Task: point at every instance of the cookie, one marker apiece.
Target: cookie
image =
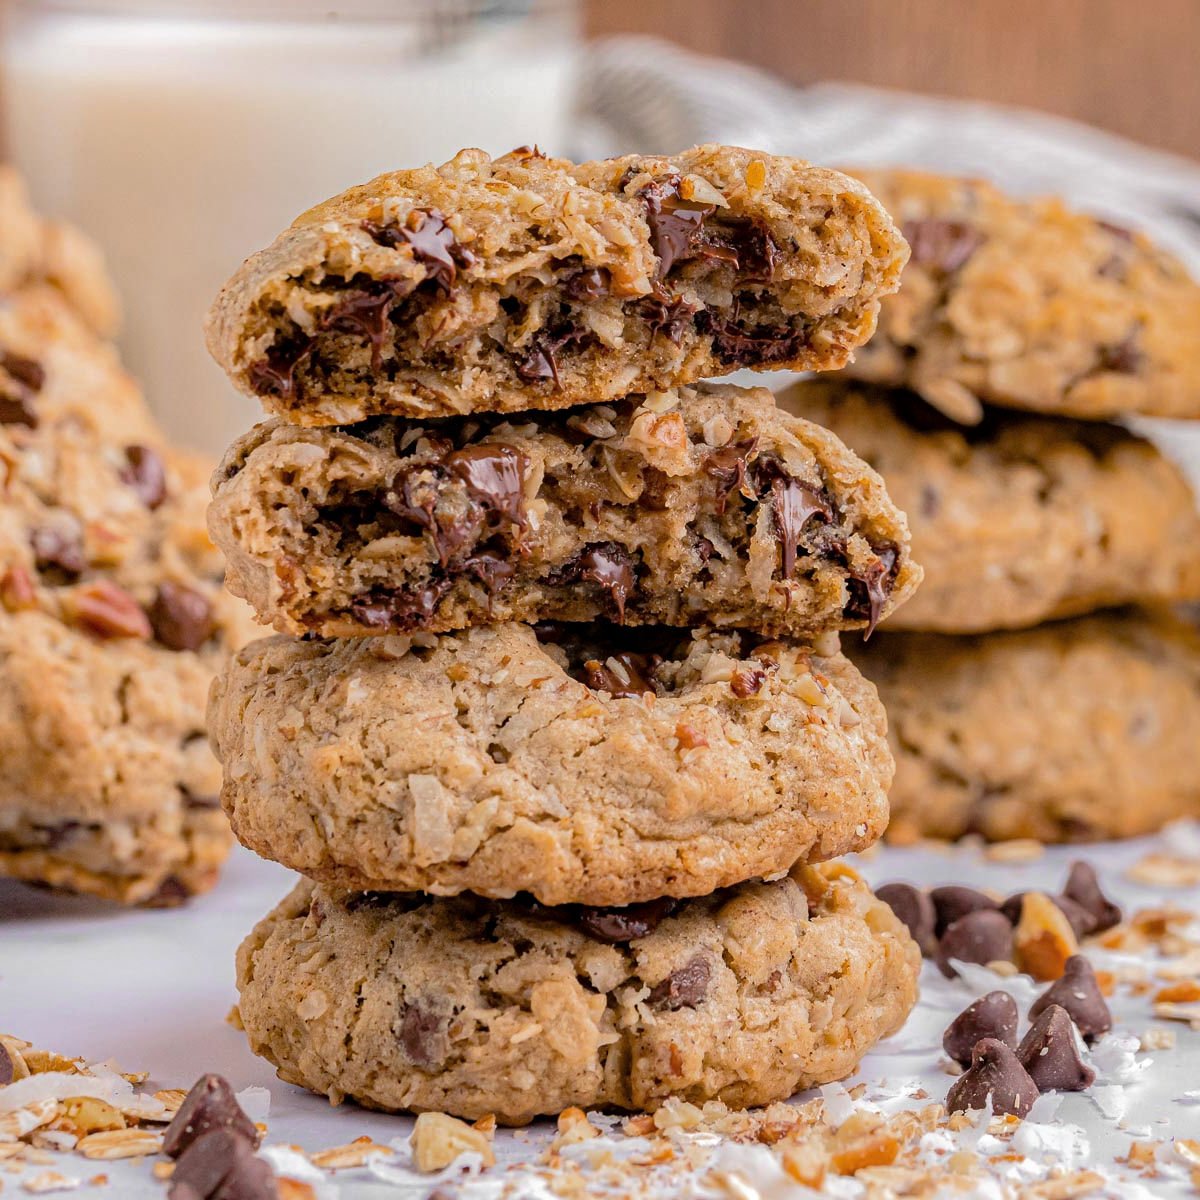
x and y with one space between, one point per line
1020 518
1029 305
596 765
113 621
698 505
475 1007
1080 730
531 282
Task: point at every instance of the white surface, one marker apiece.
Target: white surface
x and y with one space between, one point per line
152 989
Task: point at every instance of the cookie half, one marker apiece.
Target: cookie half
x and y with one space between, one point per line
696 506
531 282
477 1007
113 621
1080 730
581 764
1019 519
1030 305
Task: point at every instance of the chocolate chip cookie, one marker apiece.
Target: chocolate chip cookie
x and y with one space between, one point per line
112 622
1079 730
697 505
475 1007
592 764
1020 518
531 282
1027 304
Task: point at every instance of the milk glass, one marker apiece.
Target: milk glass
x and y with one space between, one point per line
184 135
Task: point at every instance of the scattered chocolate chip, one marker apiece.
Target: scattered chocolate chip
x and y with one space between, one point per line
1083 887
1079 993
941 244
995 1071
145 474
592 284
432 242
870 589
1050 1053
991 1016
181 617
221 1165
684 988
953 900
402 609
422 1035
108 611
607 564
915 909
17 394
747 681
624 924
637 669
210 1105
58 549
982 937
1081 921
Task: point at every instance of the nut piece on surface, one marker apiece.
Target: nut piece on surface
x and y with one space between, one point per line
1043 940
437 1140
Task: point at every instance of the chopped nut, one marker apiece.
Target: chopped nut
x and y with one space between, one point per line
1166 870
756 174
353 1154
1016 850
1043 939
107 611
89 1115
438 1139
1184 990
49 1181
806 1162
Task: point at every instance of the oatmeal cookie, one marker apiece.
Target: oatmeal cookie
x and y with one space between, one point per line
590 764
696 506
113 621
531 282
1080 730
473 1007
1029 305
1020 518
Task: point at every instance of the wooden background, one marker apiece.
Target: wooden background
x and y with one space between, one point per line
1132 66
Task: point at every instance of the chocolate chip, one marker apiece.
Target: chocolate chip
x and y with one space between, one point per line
492 570
364 311
1079 993
952 900
171 893
991 1016
760 346
915 909
684 988
108 611
494 474
201 802
181 617
995 1072
982 936
1081 921
607 564
941 244
431 240
795 503
60 549
870 588
210 1105
403 609
1083 887
275 373
1050 1053
422 1035
633 676
145 474
539 359
728 466
624 924
1123 358
17 394
670 316
675 224
591 284
221 1165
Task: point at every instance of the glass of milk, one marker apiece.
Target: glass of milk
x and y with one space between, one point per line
184 134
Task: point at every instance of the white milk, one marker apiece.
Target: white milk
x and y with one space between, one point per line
184 142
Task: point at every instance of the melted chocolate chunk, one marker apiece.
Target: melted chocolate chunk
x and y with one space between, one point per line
669 316
617 925
685 987
870 590
17 394
405 610
638 670
539 360
675 224
607 564
492 570
275 373
210 1105
181 617
422 1035
755 249
145 474
761 345
941 244
364 312
592 284
432 242
58 550
495 475
728 467
795 504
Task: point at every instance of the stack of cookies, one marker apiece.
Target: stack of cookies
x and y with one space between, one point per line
559 722
113 619
1022 332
